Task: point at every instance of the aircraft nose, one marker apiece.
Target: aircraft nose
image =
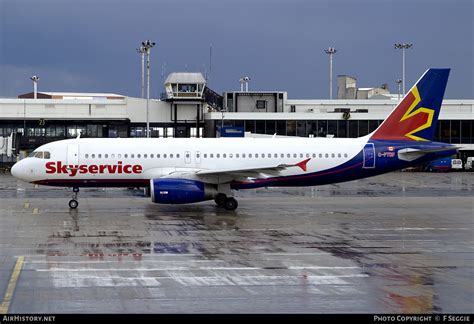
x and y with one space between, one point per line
15 170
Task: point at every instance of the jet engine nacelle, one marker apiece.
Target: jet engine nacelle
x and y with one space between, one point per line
180 191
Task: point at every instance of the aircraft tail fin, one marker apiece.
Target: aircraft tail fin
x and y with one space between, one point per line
416 116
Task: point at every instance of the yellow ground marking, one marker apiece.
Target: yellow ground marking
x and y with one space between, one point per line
11 285
26 206
35 210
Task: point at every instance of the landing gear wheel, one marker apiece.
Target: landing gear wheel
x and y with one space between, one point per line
231 204
73 204
220 200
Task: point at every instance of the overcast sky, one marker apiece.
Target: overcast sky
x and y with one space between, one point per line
89 46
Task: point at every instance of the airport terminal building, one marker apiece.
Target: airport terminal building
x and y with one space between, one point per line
188 108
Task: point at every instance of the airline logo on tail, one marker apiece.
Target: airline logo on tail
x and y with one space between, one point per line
423 116
416 116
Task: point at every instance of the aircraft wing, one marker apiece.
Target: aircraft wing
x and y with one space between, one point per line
228 175
271 169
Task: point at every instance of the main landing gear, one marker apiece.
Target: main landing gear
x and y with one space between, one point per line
229 203
73 203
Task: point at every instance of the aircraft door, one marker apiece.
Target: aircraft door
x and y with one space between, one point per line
187 157
369 156
73 154
198 157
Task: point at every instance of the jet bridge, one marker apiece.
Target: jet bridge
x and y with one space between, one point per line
9 148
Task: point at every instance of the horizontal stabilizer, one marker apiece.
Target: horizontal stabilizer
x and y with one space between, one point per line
426 151
410 154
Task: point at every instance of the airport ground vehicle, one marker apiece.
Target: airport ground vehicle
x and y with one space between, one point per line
469 165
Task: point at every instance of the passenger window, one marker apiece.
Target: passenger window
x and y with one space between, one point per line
333 155
205 155
87 156
164 156
177 156
119 156
99 156
320 155
339 155
243 155
112 156
275 155
314 155
295 155
125 155
301 155
256 155
269 155
171 156
282 155
93 156
157 156
307 155
145 156
250 155
218 155
138 155
106 156
326 155
132 156
211 155
288 155
237 155
345 155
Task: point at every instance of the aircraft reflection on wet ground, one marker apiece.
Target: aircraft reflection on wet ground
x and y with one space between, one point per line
398 243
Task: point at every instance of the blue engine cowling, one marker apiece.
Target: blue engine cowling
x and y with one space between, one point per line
180 191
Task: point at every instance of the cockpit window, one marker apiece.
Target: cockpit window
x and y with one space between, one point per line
40 155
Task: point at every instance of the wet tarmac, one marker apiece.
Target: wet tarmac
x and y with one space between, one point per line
397 243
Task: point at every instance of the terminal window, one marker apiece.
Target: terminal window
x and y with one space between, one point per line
261 104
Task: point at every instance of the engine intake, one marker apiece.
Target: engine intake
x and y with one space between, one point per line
180 191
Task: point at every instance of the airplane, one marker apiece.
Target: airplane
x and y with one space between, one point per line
191 170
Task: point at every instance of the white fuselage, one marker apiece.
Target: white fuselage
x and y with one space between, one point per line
149 158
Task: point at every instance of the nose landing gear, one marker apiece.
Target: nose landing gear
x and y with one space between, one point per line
73 203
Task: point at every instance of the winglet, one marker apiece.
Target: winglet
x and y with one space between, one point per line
302 164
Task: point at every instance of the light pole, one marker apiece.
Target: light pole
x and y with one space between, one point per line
35 86
399 83
141 50
330 51
244 80
247 80
403 47
147 45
